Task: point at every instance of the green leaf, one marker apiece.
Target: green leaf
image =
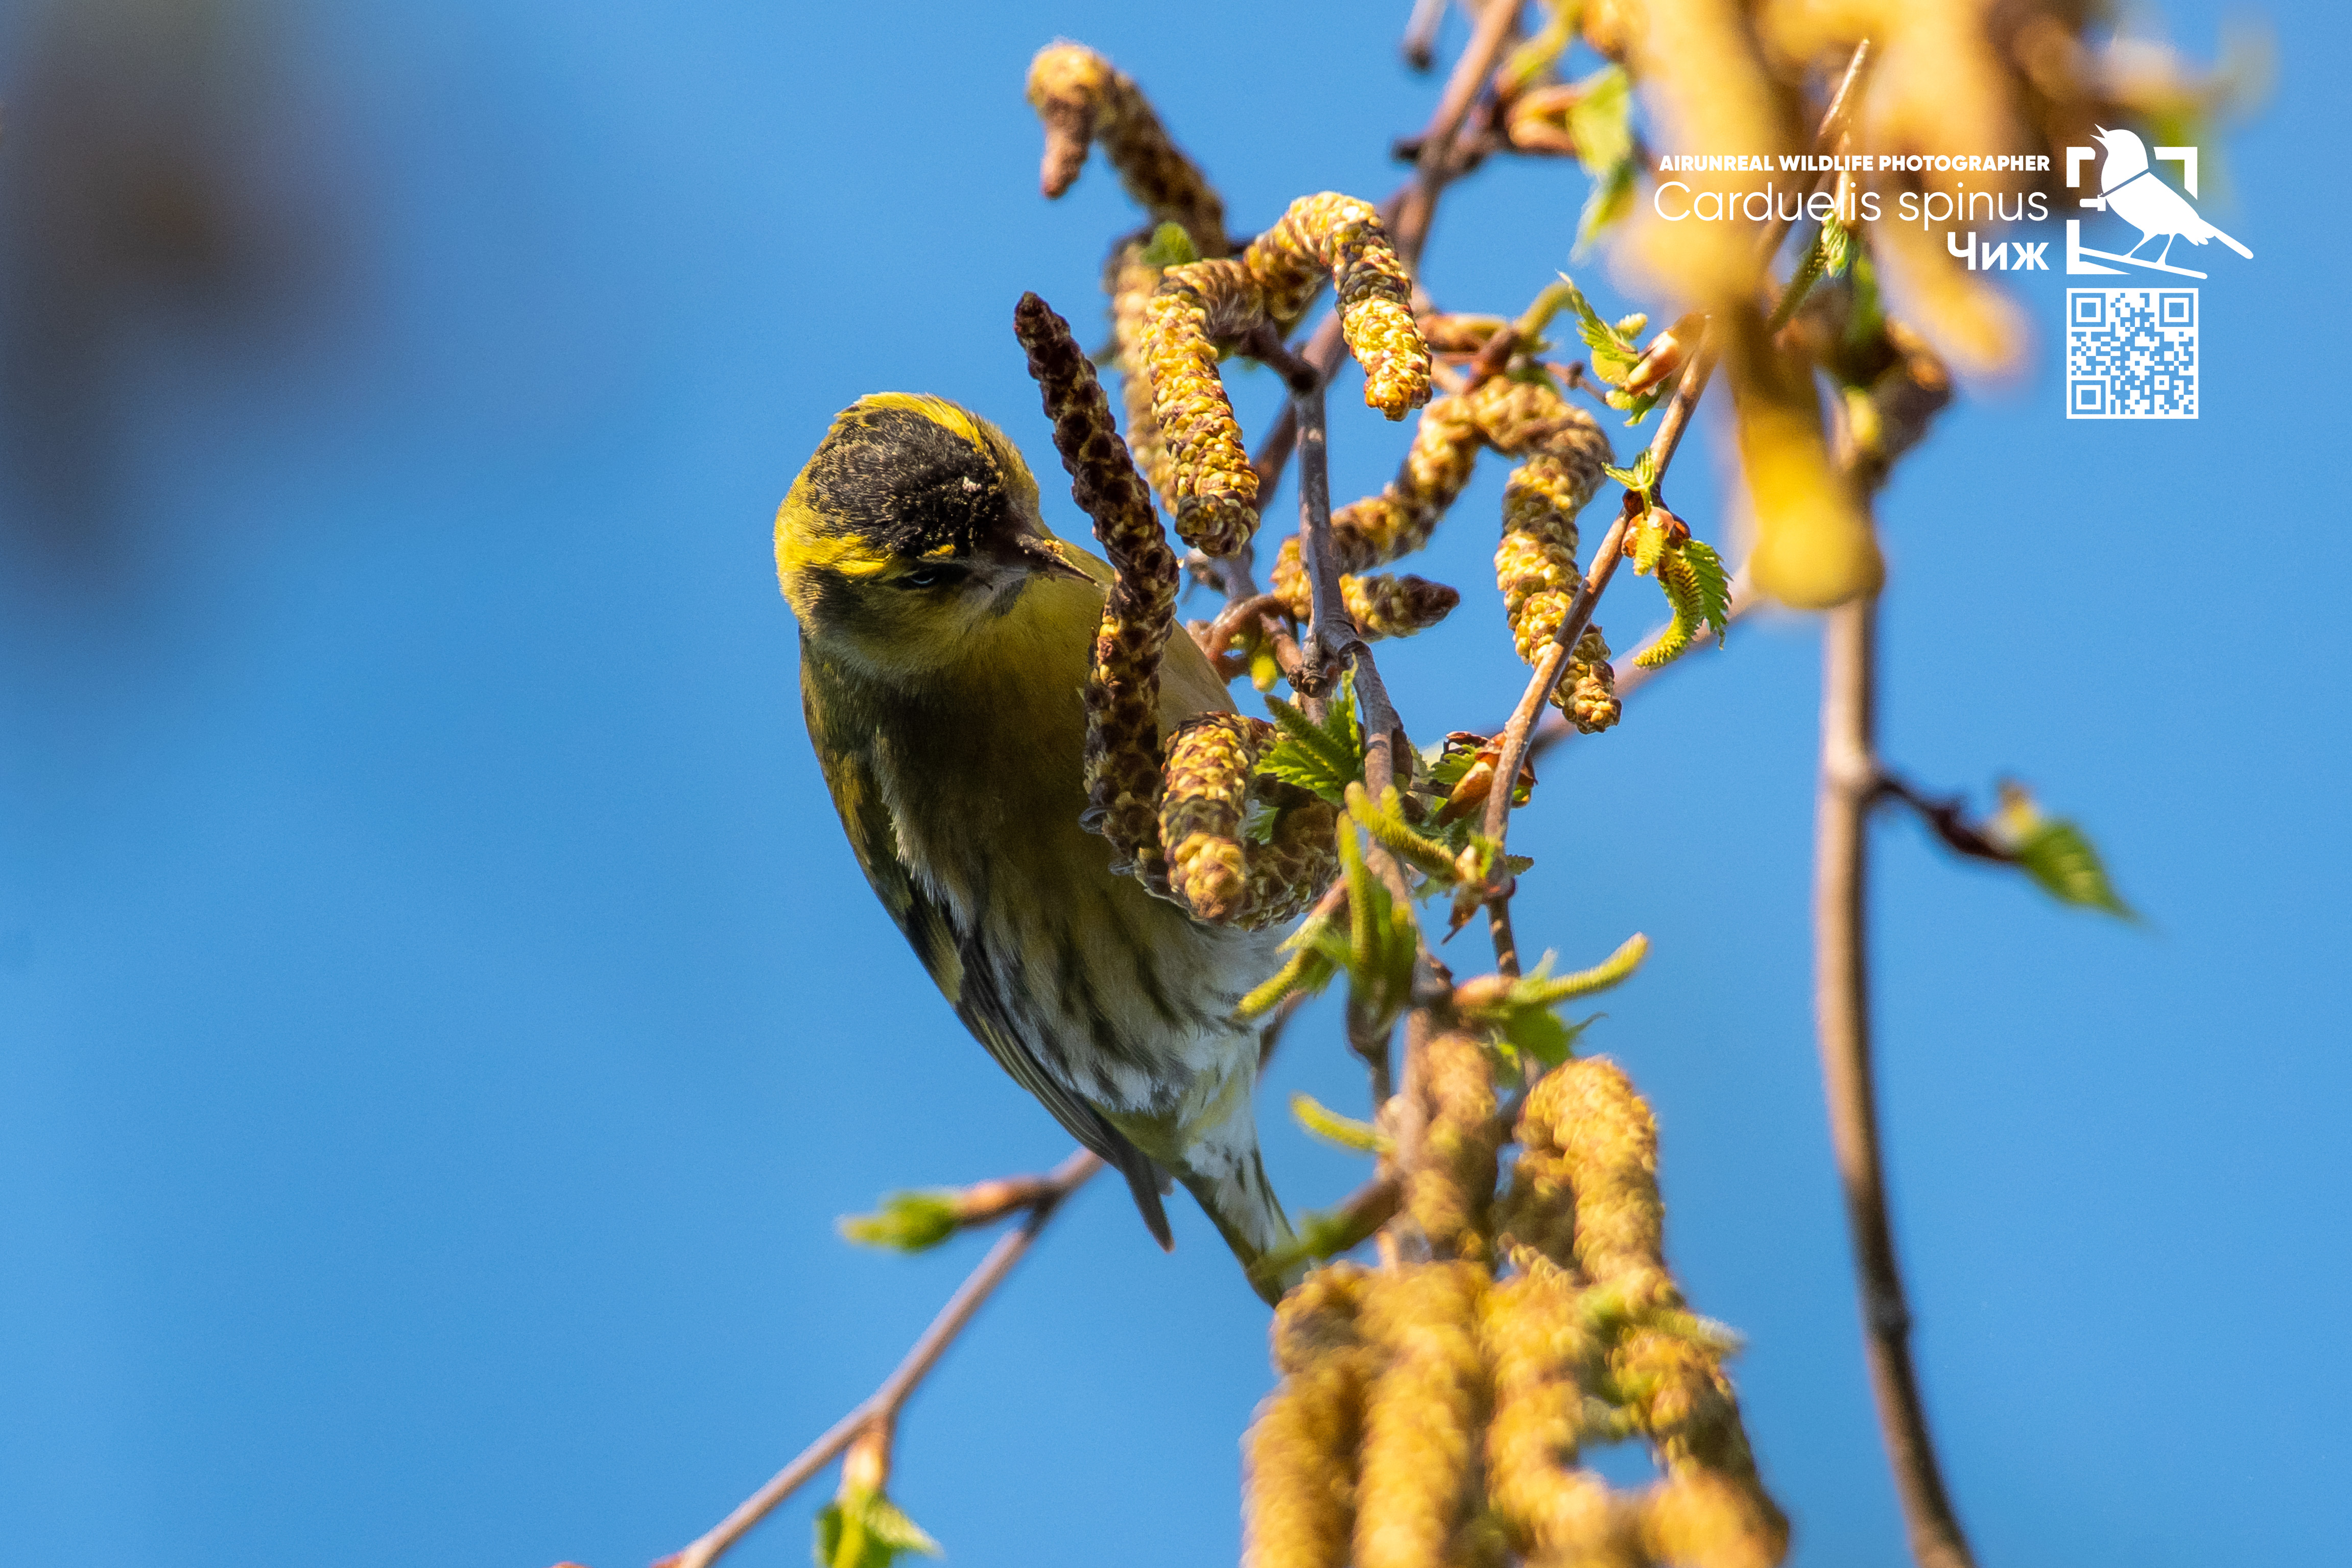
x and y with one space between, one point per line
1606 205
2061 859
1169 246
1600 121
1714 585
1325 758
1837 248
1635 404
1442 763
1540 1036
1649 544
1600 336
1380 943
867 1529
906 1222
2055 854
1309 969
1361 1137
1518 1012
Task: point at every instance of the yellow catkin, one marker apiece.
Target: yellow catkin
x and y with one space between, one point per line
1196 306
1451 1186
1290 870
1201 306
1538 1351
1385 606
1083 98
1300 1485
1564 455
1339 237
1814 546
1209 762
1701 70
1130 281
1608 1142
1605 1137
1588 694
1122 692
1422 1415
1215 869
1707 1521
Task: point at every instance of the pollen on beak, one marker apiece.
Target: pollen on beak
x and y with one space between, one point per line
1043 553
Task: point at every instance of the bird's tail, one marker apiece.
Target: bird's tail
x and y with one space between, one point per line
1240 1201
2232 244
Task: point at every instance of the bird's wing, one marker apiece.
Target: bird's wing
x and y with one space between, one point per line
951 956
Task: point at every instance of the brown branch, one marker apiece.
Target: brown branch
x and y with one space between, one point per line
1946 818
879 1412
1218 634
1850 781
1419 46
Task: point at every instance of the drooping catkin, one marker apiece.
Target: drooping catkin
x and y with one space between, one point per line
1130 278
1588 694
1203 305
1215 871
1421 1417
1537 1349
1292 868
1300 1486
1605 1138
1708 1521
1196 306
1395 606
1083 98
1450 1188
1339 237
1210 759
1122 692
1608 1143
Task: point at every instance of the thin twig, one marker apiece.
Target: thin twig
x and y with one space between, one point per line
1851 779
880 1409
1218 634
1948 818
1419 46
1330 634
1432 165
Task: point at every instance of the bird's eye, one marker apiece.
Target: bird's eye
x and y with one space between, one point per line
931 575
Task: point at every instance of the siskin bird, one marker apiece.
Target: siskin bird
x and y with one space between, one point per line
945 639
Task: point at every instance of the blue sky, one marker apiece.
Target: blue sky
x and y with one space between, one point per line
440 1020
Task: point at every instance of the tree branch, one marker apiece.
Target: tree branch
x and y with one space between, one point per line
1851 782
879 1413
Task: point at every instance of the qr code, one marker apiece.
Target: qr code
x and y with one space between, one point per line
2131 353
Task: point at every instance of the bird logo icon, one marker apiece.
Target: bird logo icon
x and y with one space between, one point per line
2131 189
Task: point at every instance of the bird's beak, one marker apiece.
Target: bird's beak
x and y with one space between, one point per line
1041 552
